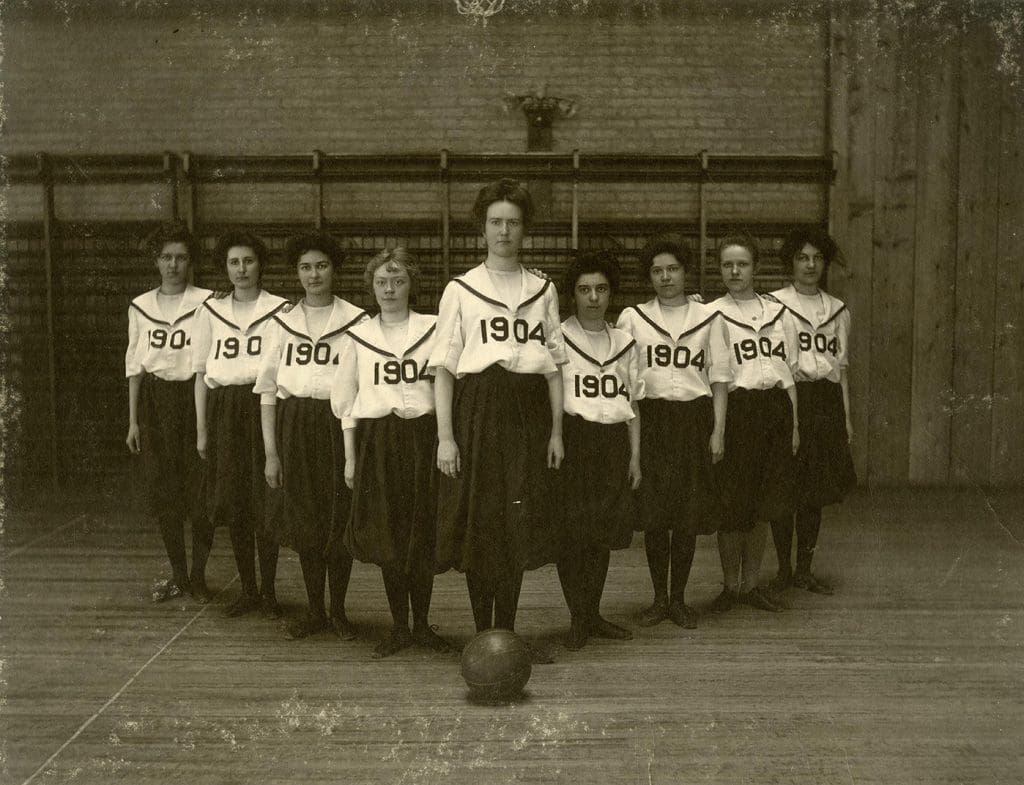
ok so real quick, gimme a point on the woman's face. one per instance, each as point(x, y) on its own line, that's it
point(173, 263)
point(808, 266)
point(504, 230)
point(316, 273)
point(391, 287)
point(668, 277)
point(591, 295)
point(243, 267)
point(737, 265)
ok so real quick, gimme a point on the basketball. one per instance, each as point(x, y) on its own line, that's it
point(496, 664)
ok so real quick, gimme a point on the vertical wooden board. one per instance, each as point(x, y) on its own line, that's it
point(971, 446)
point(935, 263)
point(1008, 371)
point(892, 280)
point(855, 233)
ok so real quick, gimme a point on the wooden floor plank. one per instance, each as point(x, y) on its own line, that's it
point(910, 674)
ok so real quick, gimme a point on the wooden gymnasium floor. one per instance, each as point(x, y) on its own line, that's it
point(912, 673)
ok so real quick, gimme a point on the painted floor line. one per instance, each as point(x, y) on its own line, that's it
point(45, 535)
point(113, 698)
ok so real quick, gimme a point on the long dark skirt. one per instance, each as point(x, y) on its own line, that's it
point(599, 505)
point(234, 485)
point(314, 499)
point(679, 490)
point(756, 475)
point(824, 466)
point(394, 503)
point(170, 474)
point(501, 515)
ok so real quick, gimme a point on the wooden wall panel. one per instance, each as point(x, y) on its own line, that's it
point(935, 265)
point(977, 242)
point(856, 232)
point(1008, 362)
point(892, 280)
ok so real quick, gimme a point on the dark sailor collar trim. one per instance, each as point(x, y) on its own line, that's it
point(569, 342)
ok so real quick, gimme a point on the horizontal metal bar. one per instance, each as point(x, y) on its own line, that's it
point(413, 167)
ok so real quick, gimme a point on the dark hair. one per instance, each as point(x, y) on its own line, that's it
point(241, 239)
point(743, 239)
point(313, 241)
point(582, 264)
point(397, 255)
point(659, 245)
point(804, 235)
point(504, 190)
point(173, 232)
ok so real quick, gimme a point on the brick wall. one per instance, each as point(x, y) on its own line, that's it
point(408, 77)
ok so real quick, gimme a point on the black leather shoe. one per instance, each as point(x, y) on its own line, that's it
point(400, 638)
point(682, 615)
point(246, 603)
point(758, 598)
point(804, 580)
point(655, 614)
point(305, 625)
point(602, 628)
point(723, 602)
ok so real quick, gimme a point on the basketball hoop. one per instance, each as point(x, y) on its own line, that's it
point(479, 9)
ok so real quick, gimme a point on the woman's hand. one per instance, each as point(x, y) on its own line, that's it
point(556, 452)
point(350, 473)
point(634, 472)
point(796, 439)
point(133, 442)
point(449, 462)
point(717, 446)
point(849, 431)
point(201, 440)
point(272, 471)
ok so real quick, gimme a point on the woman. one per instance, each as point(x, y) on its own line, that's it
point(685, 373)
point(762, 433)
point(824, 468)
point(601, 432)
point(230, 335)
point(161, 407)
point(385, 400)
point(303, 443)
point(498, 393)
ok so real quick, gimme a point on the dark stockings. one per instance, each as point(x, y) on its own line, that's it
point(669, 550)
point(494, 599)
point(807, 524)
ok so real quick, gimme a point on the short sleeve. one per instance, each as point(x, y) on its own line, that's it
point(789, 331)
point(270, 359)
point(638, 389)
point(720, 364)
point(556, 341)
point(843, 334)
point(345, 385)
point(201, 339)
point(131, 364)
point(450, 338)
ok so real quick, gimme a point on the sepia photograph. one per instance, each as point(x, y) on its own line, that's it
point(492, 392)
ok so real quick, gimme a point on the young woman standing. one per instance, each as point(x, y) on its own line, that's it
point(685, 371)
point(303, 444)
point(499, 414)
point(762, 433)
point(601, 431)
point(824, 467)
point(161, 407)
point(230, 334)
point(384, 398)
